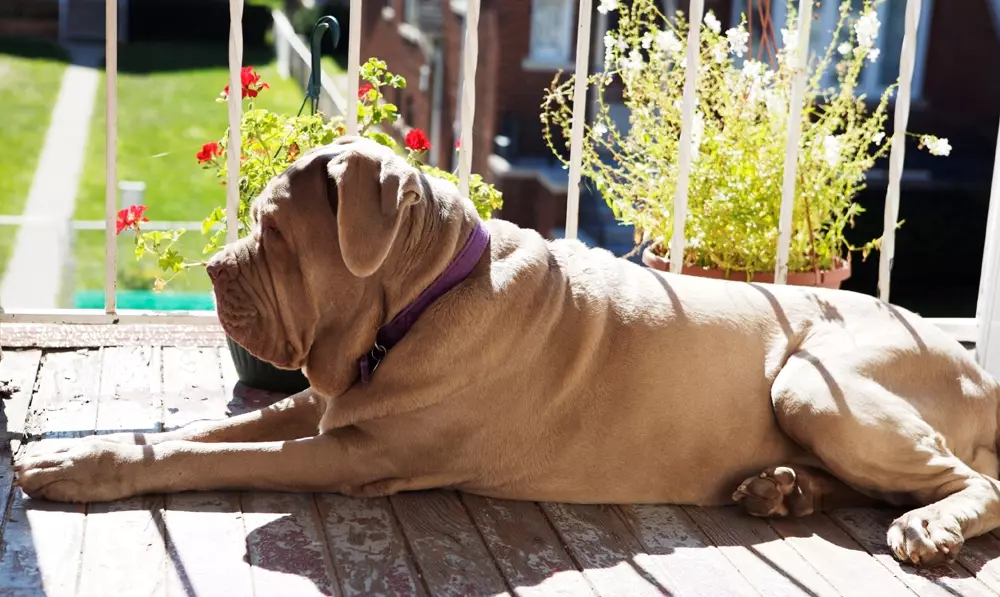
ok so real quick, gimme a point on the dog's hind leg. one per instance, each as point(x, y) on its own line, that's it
point(878, 443)
point(796, 490)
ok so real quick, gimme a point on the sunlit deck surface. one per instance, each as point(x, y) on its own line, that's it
point(82, 380)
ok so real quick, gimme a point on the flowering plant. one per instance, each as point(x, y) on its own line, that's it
point(738, 140)
point(270, 143)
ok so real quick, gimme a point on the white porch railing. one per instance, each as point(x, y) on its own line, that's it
point(984, 329)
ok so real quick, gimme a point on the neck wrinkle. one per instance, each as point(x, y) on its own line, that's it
point(430, 240)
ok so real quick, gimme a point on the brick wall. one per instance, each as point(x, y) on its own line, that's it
point(530, 204)
point(29, 18)
point(384, 38)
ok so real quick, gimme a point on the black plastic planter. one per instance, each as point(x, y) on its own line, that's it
point(262, 375)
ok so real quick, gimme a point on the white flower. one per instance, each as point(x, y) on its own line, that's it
point(877, 138)
point(599, 130)
point(668, 42)
point(633, 63)
point(712, 23)
point(936, 146)
point(609, 47)
point(697, 134)
point(866, 28)
point(831, 149)
point(844, 49)
point(719, 54)
point(738, 39)
point(774, 101)
point(695, 242)
point(607, 6)
point(790, 39)
point(754, 69)
point(647, 40)
point(873, 54)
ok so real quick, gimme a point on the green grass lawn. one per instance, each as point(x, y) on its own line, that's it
point(166, 111)
point(30, 76)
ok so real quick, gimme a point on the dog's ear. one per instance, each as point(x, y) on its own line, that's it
point(373, 194)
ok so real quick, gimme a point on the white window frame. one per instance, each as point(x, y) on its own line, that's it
point(826, 21)
point(551, 61)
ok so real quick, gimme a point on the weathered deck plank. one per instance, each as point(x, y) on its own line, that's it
point(526, 548)
point(19, 368)
point(446, 546)
point(868, 527)
point(368, 548)
point(760, 554)
point(41, 548)
point(838, 557)
point(287, 546)
point(192, 386)
point(41, 541)
point(66, 395)
point(124, 550)
point(607, 551)
point(677, 551)
point(206, 541)
point(981, 557)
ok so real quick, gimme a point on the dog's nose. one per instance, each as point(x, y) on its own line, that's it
point(217, 268)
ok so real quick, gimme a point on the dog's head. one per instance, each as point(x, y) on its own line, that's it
point(322, 231)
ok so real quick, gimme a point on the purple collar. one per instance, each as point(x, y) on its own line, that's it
point(458, 270)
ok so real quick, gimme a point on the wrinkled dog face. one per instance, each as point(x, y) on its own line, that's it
point(320, 232)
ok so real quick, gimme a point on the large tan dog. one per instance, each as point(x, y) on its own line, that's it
point(555, 372)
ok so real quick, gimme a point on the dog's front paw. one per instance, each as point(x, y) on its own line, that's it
point(925, 537)
point(81, 470)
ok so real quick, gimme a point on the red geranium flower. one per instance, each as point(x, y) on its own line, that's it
point(250, 81)
point(417, 140)
point(130, 217)
point(363, 90)
point(208, 152)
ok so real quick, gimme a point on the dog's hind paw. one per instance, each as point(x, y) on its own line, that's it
point(777, 491)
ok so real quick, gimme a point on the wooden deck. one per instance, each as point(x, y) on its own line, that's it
point(429, 543)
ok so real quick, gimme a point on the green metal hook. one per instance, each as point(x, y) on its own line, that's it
point(316, 41)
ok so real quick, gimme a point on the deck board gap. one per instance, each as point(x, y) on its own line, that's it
point(408, 542)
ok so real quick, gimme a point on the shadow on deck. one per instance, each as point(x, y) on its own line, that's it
point(77, 381)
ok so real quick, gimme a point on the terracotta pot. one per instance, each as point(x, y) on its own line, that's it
point(827, 278)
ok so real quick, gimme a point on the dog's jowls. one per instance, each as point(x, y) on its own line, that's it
point(557, 372)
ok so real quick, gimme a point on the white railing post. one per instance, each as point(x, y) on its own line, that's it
point(353, 67)
point(898, 150)
point(988, 307)
point(695, 15)
point(110, 155)
point(235, 100)
point(579, 118)
point(794, 134)
point(470, 59)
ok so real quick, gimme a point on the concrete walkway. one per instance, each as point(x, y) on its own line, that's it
point(36, 268)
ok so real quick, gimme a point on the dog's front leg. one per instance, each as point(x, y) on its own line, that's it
point(103, 470)
point(294, 417)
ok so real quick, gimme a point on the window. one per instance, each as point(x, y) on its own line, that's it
point(876, 76)
point(411, 11)
point(551, 31)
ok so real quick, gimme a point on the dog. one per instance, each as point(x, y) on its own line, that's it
point(447, 352)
